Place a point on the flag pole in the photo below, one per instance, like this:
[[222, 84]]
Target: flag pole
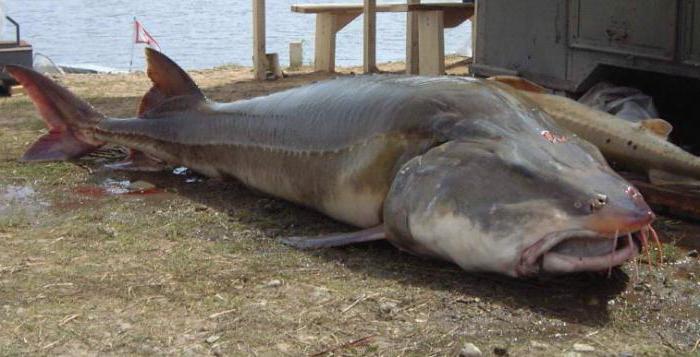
[[133, 44]]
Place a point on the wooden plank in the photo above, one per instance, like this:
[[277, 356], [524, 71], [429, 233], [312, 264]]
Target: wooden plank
[[431, 61], [369, 62], [412, 41], [456, 17], [259, 59], [384, 7], [681, 201]]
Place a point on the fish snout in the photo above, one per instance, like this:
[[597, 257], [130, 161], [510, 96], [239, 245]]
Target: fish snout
[[629, 213]]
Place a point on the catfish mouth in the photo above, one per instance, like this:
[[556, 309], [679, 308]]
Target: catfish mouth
[[581, 250]]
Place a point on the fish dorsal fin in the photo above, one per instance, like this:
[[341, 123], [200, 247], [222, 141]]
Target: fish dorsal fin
[[659, 127], [520, 84], [169, 82]]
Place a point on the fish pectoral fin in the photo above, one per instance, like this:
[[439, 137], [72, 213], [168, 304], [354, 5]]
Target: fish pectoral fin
[[139, 161], [337, 239], [657, 126]]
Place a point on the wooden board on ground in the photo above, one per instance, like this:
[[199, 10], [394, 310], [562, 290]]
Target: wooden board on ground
[[677, 200]]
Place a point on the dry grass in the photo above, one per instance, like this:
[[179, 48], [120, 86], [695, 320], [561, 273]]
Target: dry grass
[[197, 269]]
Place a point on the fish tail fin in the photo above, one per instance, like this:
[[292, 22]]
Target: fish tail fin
[[173, 89], [69, 119]]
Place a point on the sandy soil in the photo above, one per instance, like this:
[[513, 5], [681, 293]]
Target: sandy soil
[[90, 266]]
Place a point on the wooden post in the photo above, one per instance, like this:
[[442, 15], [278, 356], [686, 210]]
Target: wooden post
[[412, 40], [476, 3], [370, 36], [324, 49], [431, 45], [272, 63], [259, 59], [296, 55]]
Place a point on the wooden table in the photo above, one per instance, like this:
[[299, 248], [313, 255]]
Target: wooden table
[[431, 20]]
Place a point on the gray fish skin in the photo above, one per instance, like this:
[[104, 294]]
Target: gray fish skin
[[334, 146], [460, 169]]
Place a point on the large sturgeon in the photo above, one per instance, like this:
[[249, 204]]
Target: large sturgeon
[[460, 169], [642, 146]]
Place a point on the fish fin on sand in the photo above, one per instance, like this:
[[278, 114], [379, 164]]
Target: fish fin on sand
[[520, 84], [68, 118], [336, 240], [139, 161], [657, 126], [173, 89]]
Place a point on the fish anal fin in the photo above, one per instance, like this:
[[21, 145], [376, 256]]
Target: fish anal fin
[[139, 161], [57, 146], [520, 84], [336, 240], [173, 89], [657, 126]]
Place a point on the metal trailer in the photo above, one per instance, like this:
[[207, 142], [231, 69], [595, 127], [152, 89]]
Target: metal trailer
[[567, 44], [13, 52]]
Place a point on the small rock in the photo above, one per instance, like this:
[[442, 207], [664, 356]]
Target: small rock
[[580, 347], [124, 326], [320, 293], [213, 338], [539, 345], [470, 350], [625, 354], [388, 307], [274, 283], [571, 354], [693, 253], [141, 186]]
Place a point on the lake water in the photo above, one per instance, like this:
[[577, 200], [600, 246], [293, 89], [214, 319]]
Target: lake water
[[195, 33]]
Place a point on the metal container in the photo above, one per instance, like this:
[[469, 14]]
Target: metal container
[[570, 44], [15, 52]]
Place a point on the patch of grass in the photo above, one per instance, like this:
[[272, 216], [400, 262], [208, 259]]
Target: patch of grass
[[198, 269]]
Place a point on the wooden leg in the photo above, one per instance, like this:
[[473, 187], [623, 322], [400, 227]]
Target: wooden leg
[[259, 59], [324, 56], [370, 36], [474, 33], [412, 41], [327, 26], [431, 46]]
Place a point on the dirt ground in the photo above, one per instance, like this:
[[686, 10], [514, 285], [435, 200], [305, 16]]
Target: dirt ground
[[95, 262]]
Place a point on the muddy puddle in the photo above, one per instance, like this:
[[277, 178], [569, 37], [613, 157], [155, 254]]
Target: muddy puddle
[[17, 201]]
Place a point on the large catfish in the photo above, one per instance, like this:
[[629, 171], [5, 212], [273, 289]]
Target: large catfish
[[465, 170]]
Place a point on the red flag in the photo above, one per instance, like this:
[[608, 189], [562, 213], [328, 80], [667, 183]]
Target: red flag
[[142, 36]]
